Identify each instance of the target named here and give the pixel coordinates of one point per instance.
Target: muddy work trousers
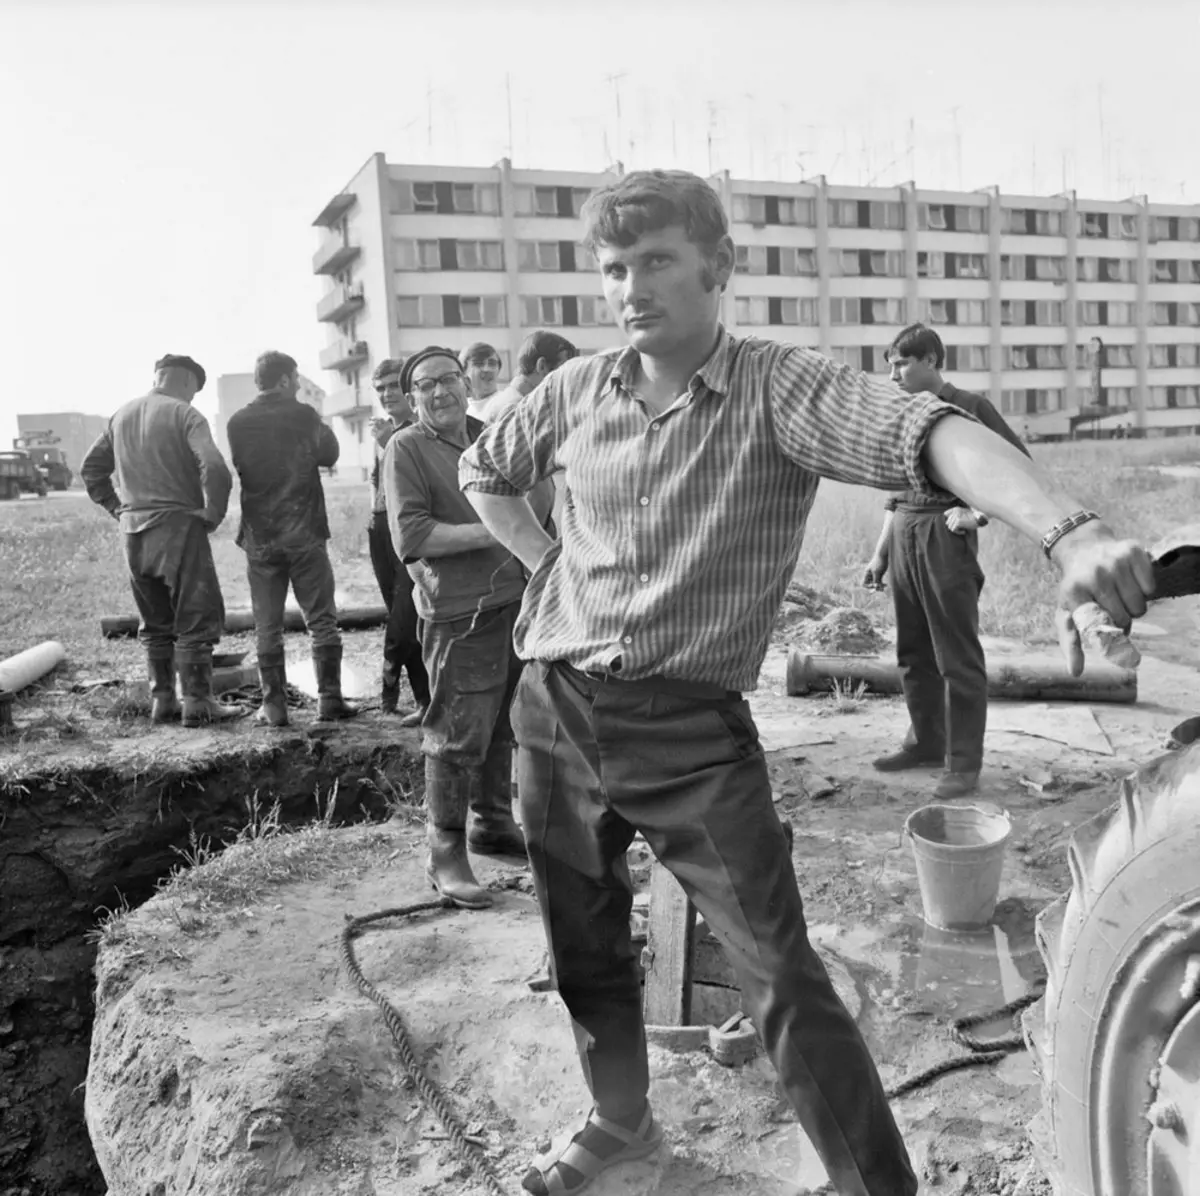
(175, 585)
(601, 759)
(936, 582)
(401, 638)
(310, 574)
(473, 671)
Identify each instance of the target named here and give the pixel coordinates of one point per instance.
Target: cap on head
(478, 353)
(541, 342)
(172, 361)
(406, 371)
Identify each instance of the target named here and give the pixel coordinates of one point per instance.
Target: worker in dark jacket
(932, 546)
(172, 490)
(278, 445)
(401, 642)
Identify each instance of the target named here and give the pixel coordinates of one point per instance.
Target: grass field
(61, 567)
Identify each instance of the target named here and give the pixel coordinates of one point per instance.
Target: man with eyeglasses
(468, 593)
(401, 643)
(481, 364)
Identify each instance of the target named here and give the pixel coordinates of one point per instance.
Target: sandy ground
(254, 1017)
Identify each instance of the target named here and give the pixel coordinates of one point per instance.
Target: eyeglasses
(427, 386)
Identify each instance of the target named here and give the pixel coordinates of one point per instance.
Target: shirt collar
(714, 373)
(474, 427)
(947, 390)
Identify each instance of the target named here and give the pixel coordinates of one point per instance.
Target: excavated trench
(79, 842)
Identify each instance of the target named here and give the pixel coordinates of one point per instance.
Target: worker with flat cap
(171, 490)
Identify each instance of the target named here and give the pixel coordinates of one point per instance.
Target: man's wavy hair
(647, 201)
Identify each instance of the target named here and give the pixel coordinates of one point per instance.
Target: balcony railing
(346, 404)
(339, 303)
(334, 255)
(343, 353)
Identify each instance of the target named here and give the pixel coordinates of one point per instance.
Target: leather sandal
(634, 1144)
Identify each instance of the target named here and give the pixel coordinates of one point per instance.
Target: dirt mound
(801, 606)
(843, 630)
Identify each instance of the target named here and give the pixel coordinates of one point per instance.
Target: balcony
(343, 353)
(334, 255)
(340, 303)
(335, 209)
(346, 404)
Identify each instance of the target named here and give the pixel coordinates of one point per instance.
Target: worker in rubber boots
(172, 491)
(931, 545)
(468, 592)
(692, 459)
(278, 445)
(401, 642)
(481, 365)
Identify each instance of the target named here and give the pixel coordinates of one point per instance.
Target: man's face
(439, 394)
(484, 374)
(914, 374)
(391, 397)
(663, 290)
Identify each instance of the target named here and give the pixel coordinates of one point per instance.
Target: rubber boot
(272, 677)
(195, 680)
(447, 797)
(389, 693)
(493, 829)
(164, 705)
(327, 664)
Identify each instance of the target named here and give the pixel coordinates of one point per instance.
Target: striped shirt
(680, 531)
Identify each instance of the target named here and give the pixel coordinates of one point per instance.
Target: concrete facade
(1018, 286)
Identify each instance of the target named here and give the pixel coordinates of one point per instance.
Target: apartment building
(1030, 293)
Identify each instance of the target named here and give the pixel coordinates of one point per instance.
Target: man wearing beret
(468, 592)
(172, 490)
(278, 445)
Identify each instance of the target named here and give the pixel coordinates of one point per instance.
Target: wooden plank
(668, 954)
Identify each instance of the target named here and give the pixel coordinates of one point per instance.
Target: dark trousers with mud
(175, 585)
(401, 637)
(310, 574)
(599, 760)
(936, 582)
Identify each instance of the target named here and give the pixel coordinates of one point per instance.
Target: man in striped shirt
(691, 460)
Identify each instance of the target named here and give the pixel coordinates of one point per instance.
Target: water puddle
(912, 967)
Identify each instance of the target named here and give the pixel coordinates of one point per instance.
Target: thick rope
(983, 1051)
(431, 1095)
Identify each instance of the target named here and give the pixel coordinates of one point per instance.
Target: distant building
(234, 391)
(1020, 287)
(75, 432)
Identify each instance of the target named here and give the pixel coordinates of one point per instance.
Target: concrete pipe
(26, 667)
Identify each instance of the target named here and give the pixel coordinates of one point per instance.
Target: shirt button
(654, 427)
(644, 501)
(644, 577)
(627, 640)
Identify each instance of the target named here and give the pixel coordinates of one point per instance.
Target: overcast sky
(161, 162)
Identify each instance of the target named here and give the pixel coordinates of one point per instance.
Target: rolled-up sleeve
(843, 424)
(407, 497)
(518, 450)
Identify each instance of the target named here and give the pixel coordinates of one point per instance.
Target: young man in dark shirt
(931, 544)
(278, 444)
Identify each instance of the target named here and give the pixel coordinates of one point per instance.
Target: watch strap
(1064, 527)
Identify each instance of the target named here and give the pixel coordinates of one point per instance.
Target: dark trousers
(598, 761)
(401, 637)
(936, 582)
(310, 574)
(175, 585)
(473, 671)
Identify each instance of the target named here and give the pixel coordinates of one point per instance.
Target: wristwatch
(1064, 527)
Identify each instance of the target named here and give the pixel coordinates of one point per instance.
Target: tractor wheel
(1116, 1037)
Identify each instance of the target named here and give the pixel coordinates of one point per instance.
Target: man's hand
(876, 568)
(961, 520)
(1097, 567)
(381, 428)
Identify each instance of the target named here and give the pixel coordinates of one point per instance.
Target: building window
(843, 213)
(1087, 312)
(1160, 356)
(593, 311)
(1120, 314)
(1188, 314)
(1018, 357)
(1116, 269)
(1048, 357)
(1161, 230)
(845, 263)
(799, 210)
(971, 311)
(408, 196)
(1012, 220)
(1156, 396)
(1048, 313)
(585, 260)
(1012, 402)
(968, 357)
(423, 197)
(751, 259)
(485, 310)
(419, 311)
(1165, 270)
(850, 355)
(937, 311)
(541, 310)
(970, 219)
(1187, 355)
(1189, 228)
(549, 201)
(1052, 269)
(883, 311)
(932, 215)
(931, 265)
(750, 209)
(887, 263)
(883, 214)
(1092, 224)
(1087, 269)
(545, 201)
(844, 311)
(751, 310)
(1050, 399)
(970, 265)
(1047, 224)
(1012, 311)
(1161, 313)
(797, 262)
(1192, 271)
(1122, 226)
(1012, 266)
(480, 255)
(1187, 396)
(417, 255)
(538, 255)
(797, 311)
